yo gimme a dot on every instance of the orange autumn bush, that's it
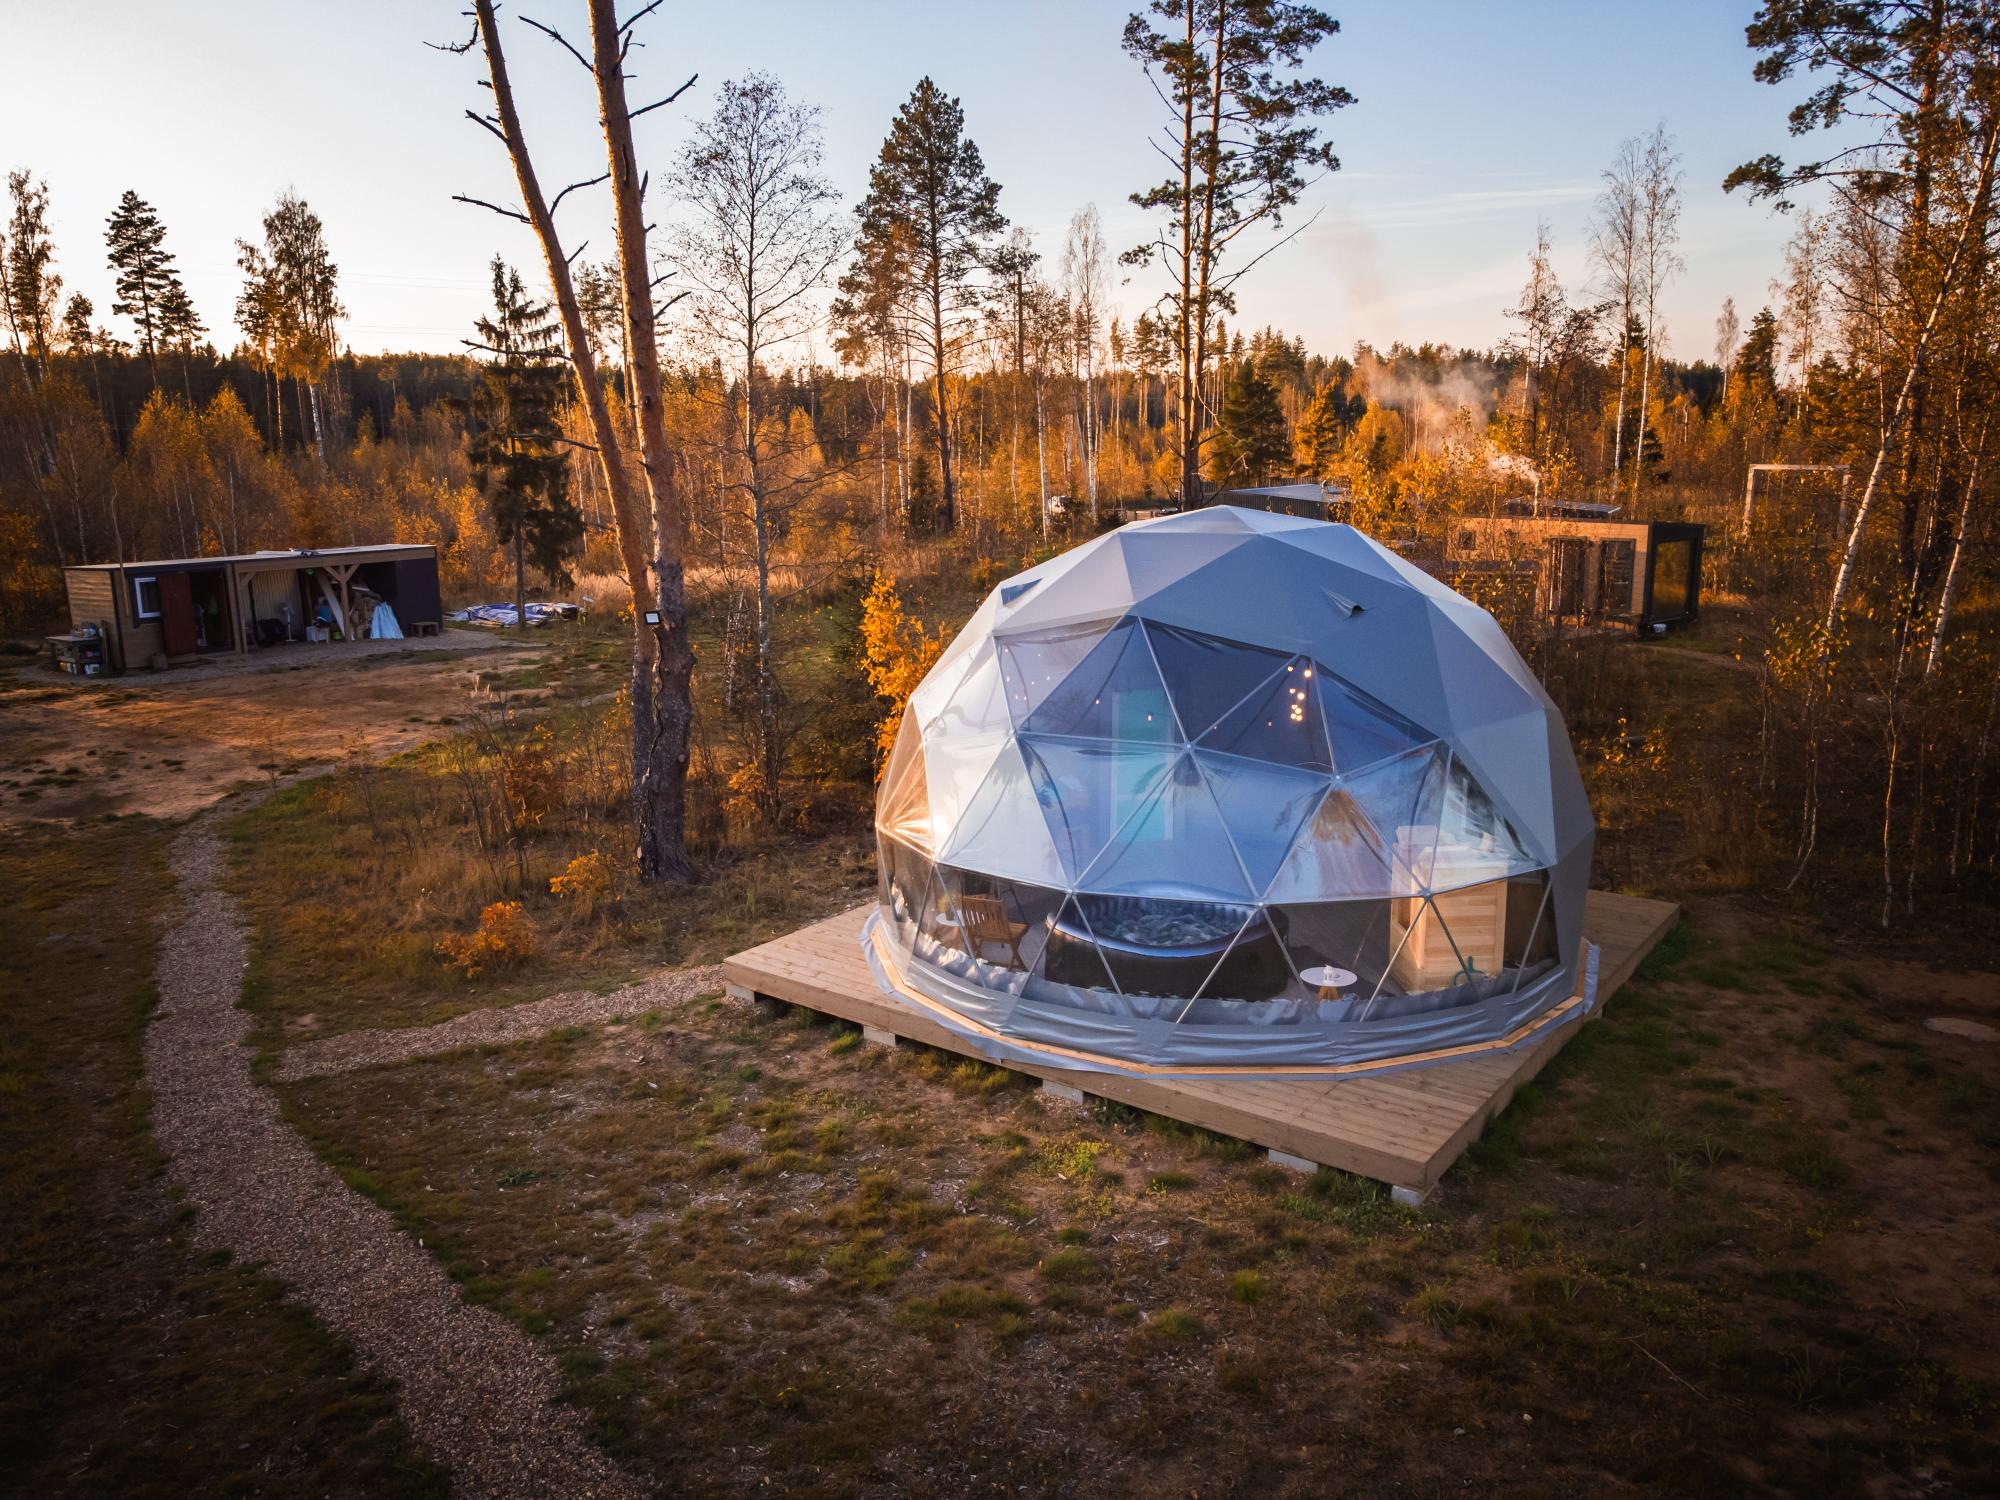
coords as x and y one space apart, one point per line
504 939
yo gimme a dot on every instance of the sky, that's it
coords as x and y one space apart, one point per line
1472 121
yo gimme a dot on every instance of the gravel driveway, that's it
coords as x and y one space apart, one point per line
476 1390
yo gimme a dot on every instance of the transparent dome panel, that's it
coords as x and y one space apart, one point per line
1174 845
1338 855
1207 676
903 809
1264 807
994 923
1115 693
1035 663
1087 789
1360 730
1002 831
1279 721
1474 836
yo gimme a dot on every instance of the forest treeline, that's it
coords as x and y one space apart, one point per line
988 396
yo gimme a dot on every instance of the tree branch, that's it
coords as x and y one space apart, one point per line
562 41
516 353
458 49
648 109
486 124
625 27
505 213
587 182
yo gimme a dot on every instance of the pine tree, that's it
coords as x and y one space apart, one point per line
148 285
1242 146
76 335
1322 428
180 328
1251 445
516 446
931 209
1757 362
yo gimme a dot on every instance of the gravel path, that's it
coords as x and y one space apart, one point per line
476 1391
485 1028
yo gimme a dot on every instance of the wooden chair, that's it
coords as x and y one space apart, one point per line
986 922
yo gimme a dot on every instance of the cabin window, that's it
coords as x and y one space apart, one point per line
146 598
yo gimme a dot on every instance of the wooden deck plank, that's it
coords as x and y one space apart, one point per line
1404 1127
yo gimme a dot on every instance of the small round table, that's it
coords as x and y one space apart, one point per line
1330 981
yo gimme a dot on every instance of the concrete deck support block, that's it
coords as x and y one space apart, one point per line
1295 1163
876 1036
1410 1197
1062 1091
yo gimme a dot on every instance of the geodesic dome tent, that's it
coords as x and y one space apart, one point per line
1230 791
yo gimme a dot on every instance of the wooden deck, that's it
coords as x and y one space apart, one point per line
1404 1127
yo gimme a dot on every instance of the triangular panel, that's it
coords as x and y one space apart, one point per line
1403 798
1263 807
904 809
1035 664
1159 560
1001 831
1175 846
1475 840
1361 729
1113 694
954 770
978 705
1255 967
1087 789
1207 676
1338 856
1071 955
1280 721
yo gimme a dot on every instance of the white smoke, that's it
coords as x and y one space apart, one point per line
1445 405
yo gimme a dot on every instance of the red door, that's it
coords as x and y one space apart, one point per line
177 614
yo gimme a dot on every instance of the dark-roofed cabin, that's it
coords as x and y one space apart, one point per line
184 608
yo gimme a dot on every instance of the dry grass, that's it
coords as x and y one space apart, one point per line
766 1261
349 925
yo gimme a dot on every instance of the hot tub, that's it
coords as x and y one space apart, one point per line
1158 946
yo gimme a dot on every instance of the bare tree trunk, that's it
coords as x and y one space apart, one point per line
663 725
947 485
1844 579
661 662
1645 396
1618 431
1950 589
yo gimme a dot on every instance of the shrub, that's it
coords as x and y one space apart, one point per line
584 885
505 939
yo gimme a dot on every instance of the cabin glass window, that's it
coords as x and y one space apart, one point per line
1673 578
146 598
1615 560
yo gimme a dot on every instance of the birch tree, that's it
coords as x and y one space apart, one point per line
758 243
1614 252
1085 277
1656 261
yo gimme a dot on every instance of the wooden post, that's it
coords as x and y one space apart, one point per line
341 574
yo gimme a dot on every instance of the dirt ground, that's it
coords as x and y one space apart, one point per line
170 745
